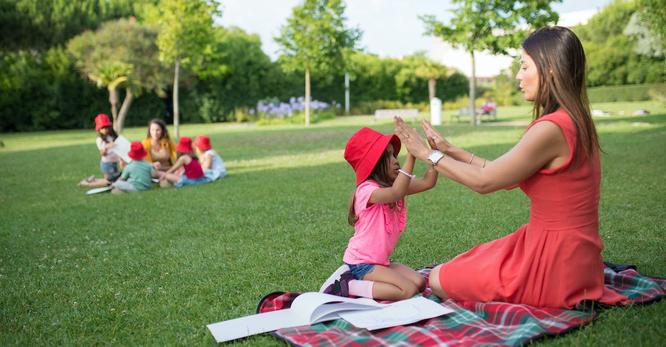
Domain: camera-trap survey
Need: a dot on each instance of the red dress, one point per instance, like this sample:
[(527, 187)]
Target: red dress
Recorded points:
[(555, 259)]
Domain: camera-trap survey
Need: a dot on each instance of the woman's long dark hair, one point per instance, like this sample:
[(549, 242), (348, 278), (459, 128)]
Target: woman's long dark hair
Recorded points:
[(560, 62), (165, 132), (380, 174)]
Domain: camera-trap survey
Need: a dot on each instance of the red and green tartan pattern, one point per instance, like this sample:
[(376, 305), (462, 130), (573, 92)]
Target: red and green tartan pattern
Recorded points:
[(471, 323)]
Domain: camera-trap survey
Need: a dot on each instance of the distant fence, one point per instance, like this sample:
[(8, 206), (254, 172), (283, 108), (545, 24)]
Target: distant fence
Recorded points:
[(632, 92)]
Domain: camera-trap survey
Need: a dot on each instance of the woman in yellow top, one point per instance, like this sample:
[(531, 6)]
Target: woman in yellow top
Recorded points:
[(161, 150)]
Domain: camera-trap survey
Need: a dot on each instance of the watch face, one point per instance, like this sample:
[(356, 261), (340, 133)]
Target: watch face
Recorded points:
[(435, 156)]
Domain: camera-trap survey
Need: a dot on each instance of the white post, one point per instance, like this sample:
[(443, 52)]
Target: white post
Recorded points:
[(346, 93), (435, 111)]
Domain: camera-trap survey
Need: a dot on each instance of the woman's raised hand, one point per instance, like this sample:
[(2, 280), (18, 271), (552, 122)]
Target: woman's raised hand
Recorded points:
[(435, 139), (411, 139)]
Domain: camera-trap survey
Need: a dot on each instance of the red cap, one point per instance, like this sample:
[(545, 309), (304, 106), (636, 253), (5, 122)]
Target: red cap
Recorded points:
[(102, 121), (184, 145), (202, 142), (364, 149), (137, 152)]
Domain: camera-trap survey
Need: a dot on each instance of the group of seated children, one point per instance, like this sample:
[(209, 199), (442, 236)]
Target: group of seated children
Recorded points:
[(154, 159)]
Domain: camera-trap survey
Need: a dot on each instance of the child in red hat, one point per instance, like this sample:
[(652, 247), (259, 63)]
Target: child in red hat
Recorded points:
[(109, 162), (137, 174), (211, 162), (378, 214), (192, 174)]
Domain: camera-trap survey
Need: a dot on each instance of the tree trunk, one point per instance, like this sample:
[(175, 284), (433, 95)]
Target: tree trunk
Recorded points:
[(431, 88), (127, 102), (113, 100), (307, 97), (472, 92), (176, 115)]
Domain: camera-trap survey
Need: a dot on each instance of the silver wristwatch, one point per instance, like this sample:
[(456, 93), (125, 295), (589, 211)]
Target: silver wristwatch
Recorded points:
[(435, 156)]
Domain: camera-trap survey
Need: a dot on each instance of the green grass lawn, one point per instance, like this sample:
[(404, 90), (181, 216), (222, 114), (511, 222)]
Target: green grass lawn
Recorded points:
[(154, 268)]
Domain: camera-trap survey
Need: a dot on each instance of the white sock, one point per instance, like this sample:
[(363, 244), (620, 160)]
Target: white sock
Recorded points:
[(361, 288)]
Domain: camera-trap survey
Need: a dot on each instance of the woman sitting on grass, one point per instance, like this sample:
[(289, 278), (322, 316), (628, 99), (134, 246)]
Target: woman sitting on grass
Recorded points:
[(192, 174), (554, 260), (160, 150)]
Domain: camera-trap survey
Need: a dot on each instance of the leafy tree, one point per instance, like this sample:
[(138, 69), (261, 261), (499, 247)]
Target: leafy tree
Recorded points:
[(647, 42), (489, 25), (42, 91), (40, 24), (185, 32), (420, 66), (233, 73), (611, 54), (653, 14), (316, 38), (120, 52)]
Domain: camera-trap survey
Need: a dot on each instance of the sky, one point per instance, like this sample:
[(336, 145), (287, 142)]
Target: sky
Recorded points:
[(391, 28)]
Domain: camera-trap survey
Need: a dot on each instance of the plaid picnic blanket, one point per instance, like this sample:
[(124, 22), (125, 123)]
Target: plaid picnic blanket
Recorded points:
[(471, 323)]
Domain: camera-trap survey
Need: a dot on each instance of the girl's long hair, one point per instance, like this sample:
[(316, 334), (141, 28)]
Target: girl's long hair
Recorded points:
[(165, 132), (380, 174), (560, 62), (111, 133)]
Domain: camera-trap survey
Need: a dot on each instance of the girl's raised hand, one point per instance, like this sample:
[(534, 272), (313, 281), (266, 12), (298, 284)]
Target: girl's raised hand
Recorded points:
[(411, 139), (435, 139)]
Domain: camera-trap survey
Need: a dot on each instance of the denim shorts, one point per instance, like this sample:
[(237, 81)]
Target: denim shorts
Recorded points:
[(360, 270), (110, 170), (184, 181)]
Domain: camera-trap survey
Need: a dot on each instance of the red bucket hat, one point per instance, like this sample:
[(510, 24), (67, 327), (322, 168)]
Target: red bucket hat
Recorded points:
[(202, 142), (137, 152), (184, 145), (102, 121), (364, 149)]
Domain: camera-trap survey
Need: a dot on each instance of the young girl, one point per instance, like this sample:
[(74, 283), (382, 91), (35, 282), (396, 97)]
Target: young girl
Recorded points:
[(109, 162), (378, 214), (211, 162), (193, 173)]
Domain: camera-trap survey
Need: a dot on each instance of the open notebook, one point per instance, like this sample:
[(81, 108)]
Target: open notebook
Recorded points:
[(310, 308)]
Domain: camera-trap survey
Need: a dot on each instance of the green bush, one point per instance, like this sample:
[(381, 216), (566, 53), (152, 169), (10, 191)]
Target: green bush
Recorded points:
[(636, 92)]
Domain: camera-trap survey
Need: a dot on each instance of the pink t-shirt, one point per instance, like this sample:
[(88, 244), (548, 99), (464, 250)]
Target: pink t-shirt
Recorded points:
[(377, 230)]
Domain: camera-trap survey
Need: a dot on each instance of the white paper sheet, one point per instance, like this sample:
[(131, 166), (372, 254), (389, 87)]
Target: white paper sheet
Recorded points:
[(121, 147), (255, 324), (398, 313)]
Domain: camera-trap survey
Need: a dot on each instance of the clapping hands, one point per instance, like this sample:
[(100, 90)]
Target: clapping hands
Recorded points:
[(435, 139), (414, 143), (411, 139)]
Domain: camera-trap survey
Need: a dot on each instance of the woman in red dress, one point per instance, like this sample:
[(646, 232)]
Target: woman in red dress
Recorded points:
[(555, 259)]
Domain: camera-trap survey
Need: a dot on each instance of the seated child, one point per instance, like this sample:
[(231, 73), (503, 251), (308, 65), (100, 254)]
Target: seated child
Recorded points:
[(211, 162), (378, 213), (193, 173), (136, 175), (109, 161)]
